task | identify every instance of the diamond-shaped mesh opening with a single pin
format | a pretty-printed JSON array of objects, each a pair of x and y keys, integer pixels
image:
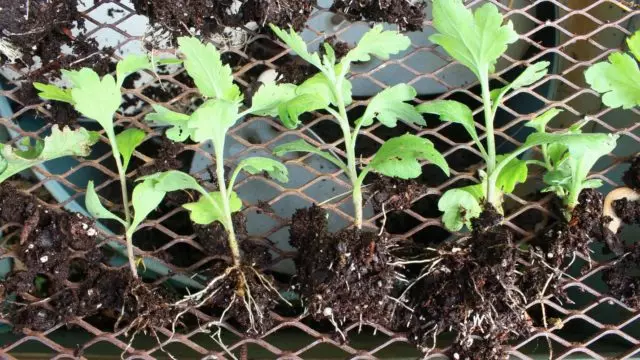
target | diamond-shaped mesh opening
[{"x": 571, "y": 34}]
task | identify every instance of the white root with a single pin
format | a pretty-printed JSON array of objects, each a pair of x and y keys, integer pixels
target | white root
[
  {"x": 9, "y": 50},
  {"x": 617, "y": 194}
]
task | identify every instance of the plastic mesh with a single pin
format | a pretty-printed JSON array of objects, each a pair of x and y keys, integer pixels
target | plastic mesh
[{"x": 572, "y": 34}]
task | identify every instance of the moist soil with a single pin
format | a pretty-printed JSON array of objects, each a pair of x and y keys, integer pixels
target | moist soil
[
  {"x": 394, "y": 194},
  {"x": 407, "y": 15},
  {"x": 344, "y": 276},
  {"x": 211, "y": 17},
  {"x": 233, "y": 288},
  {"x": 471, "y": 289},
  {"x": 61, "y": 248}
]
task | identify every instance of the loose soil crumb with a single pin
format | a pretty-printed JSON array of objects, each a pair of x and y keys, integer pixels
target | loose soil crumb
[
  {"x": 631, "y": 177},
  {"x": 471, "y": 290},
  {"x": 394, "y": 194},
  {"x": 166, "y": 158},
  {"x": 407, "y": 15},
  {"x": 627, "y": 211},
  {"x": 343, "y": 276}
]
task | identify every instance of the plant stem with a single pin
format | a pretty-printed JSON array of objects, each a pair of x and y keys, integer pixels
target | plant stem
[
  {"x": 125, "y": 201},
  {"x": 233, "y": 243},
  {"x": 350, "y": 145},
  {"x": 491, "y": 142}
]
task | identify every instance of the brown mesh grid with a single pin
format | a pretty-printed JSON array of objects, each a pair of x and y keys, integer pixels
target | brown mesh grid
[{"x": 583, "y": 32}]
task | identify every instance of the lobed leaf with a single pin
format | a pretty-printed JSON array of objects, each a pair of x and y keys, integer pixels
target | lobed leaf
[
  {"x": 130, "y": 64},
  {"x": 378, "y": 43},
  {"x": 528, "y": 77},
  {"x": 203, "y": 212},
  {"x": 52, "y": 92},
  {"x": 634, "y": 44},
  {"x": 389, "y": 106},
  {"x": 145, "y": 199},
  {"x": 270, "y": 96},
  {"x": 475, "y": 40},
  {"x": 60, "y": 143},
  {"x": 212, "y": 120},
  {"x": 179, "y": 131},
  {"x": 513, "y": 173},
  {"x": 297, "y": 44},
  {"x": 289, "y": 112},
  {"x": 453, "y": 111},
  {"x": 303, "y": 146},
  {"x": 618, "y": 80},
  {"x": 459, "y": 206},
  {"x": 95, "y": 98},
  {"x": 400, "y": 157},
  {"x": 204, "y": 66},
  {"x": 539, "y": 123},
  {"x": 257, "y": 164}
]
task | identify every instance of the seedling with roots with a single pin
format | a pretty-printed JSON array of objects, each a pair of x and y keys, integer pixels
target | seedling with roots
[
  {"x": 477, "y": 40},
  {"x": 99, "y": 99},
  {"x": 330, "y": 90},
  {"x": 211, "y": 122}
]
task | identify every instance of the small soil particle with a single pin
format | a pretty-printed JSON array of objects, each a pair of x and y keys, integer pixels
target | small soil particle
[
  {"x": 343, "y": 276},
  {"x": 408, "y": 15},
  {"x": 622, "y": 277},
  {"x": 627, "y": 211}
]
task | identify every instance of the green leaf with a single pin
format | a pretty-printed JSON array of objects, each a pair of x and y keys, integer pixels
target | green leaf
[
  {"x": 172, "y": 180},
  {"x": 592, "y": 184},
  {"x": 559, "y": 177},
  {"x": 289, "y": 112},
  {"x": 329, "y": 57},
  {"x": 130, "y": 64},
  {"x": 320, "y": 86},
  {"x": 389, "y": 106},
  {"x": 203, "y": 64},
  {"x": 452, "y": 111},
  {"x": 212, "y": 120},
  {"x": 95, "y": 98},
  {"x": 378, "y": 43},
  {"x": 400, "y": 157},
  {"x": 270, "y": 96},
  {"x": 169, "y": 61},
  {"x": 297, "y": 44},
  {"x": 65, "y": 142},
  {"x": 52, "y": 92},
  {"x": 634, "y": 44},
  {"x": 145, "y": 199},
  {"x": 475, "y": 40},
  {"x": 256, "y": 165},
  {"x": 179, "y": 131},
  {"x": 203, "y": 212},
  {"x": 528, "y": 77},
  {"x": 459, "y": 207},
  {"x": 618, "y": 80},
  {"x": 539, "y": 123},
  {"x": 95, "y": 207},
  {"x": 303, "y": 146},
  {"x": 127, "y": 141},
  {"x": 513, "y": 173}
]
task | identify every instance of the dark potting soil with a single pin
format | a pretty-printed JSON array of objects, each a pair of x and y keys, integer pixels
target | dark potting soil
[
  {"x": 393, "y": 193},
  {"x": 63, "y": 247},
  {"x": 407, "y": 15},
  {"x": 343, "y": 276},
  {"x": 40, "y": 29},
  {"x": 627, "y": 211},
  {"x": 209, "y": 17},
  {"x": 622, "y": 277},
  {"x": 229, "y": 295},
  {"x": 631, "y": 177},
  {"x": 471, "y": 289}
]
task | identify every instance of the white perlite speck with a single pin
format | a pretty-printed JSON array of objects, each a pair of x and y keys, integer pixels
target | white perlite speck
[
  {"x": 327, "y": 311},
  {"x": 44, "y": 259},
  {"x": 92, "y": 232}
]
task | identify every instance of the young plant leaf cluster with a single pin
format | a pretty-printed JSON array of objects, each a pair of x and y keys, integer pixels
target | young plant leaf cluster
[
  {"x": 330, "y": 90},
  {"x": 99, "y": 99},
  {"x": 211, "y": 122},
  {"x": 477, "y": 40}
]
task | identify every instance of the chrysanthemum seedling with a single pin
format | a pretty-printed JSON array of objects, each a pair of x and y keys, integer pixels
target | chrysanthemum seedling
[
  {"x": 477, "y": 40},
  {"x": 99, "y": 99},
  {"x": 211, "y": 122},
  {"x": 330, "y": 90}
]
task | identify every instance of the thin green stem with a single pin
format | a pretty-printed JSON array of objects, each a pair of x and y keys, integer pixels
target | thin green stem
[
  {"x": 491, "y": 142},
  {"x": 222, "y": 187},
  {"x": 130, "y": 254}
]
